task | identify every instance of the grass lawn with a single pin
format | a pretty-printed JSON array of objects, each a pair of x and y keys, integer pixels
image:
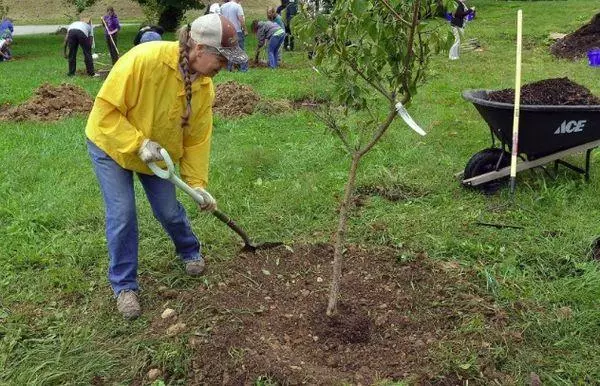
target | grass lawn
[{"x": 281, "y": 176}]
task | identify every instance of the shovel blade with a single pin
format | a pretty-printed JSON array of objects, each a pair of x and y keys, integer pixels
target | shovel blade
[{"x": 253, "y": 247}]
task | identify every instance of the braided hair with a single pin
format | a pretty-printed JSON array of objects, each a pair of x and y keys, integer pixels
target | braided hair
[{"x": 185, "y": 43}]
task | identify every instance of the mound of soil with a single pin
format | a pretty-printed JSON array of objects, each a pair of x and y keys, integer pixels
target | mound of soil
[
  {"x": 578, "y": 43},
  {"x": 266, "y": 318},
  {"x": 234, "y": 100},
  {"x": 552, "y": 92},
  {"x": 50, "y": 103}
]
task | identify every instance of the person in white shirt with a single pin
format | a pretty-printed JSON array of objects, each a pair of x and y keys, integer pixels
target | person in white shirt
[
  {"x": 79, "y": 33},
  {"x": 234, "y": 12},
  {"x": 4, "y": 49},
  {"x": 215, "y": 8}
]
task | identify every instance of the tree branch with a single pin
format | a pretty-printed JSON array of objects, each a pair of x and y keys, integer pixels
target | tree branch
[
  {"x": 376, "y": 86},
  {"x": 410, "y": 52},
  {"x": 380, "y": 131},
  {"x": 332, "y": 125},
  {"x": 392, "y": 10}
]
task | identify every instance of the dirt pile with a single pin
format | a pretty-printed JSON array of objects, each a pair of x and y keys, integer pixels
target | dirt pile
[
  {"x": 578, "y": 43},
  {"x": 50, "y": 103},
  {"x": 265, "y": 318},
  {"x": 234, "y": 100},
  {"x": 551, "y": 92}
]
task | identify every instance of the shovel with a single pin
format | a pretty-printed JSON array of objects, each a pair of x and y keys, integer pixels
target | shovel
[{"x": 170, "y": 175}]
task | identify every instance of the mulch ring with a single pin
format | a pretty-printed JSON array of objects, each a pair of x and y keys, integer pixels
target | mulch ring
[
  {"x": 234, "y": 100},
  {"x": 264, "y": 318},
  {"x": 50, "y": 103},
  {"x": 551, "y": 92},
  {"x": 576, "y": 45}
]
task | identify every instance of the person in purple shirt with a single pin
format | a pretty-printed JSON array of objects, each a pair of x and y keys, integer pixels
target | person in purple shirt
[{"x": 111, "y": 29}]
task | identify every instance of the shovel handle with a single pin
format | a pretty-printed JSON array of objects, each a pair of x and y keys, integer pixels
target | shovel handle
[{"x": 169, "y": 174}]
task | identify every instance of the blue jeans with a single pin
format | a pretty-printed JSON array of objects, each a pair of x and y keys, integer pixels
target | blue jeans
[
  {"x": 116, "y": 185},
  {"x": 274, "y": 45},
  {"x": 243, "y": 66}
]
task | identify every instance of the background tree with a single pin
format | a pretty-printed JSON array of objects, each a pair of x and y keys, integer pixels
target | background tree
[
  {"x": 80, "y": 5},
  {"x": 374, "y": 53},
  {"x": 169, "y": 12},
  {"x": 3, "y": 9}
]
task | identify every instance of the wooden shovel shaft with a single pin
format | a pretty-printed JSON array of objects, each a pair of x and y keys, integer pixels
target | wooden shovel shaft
[
  {"x": 110, "y": 36},
  {"x": 232, "y": 224},
  {"x": 515, "y": 138}
]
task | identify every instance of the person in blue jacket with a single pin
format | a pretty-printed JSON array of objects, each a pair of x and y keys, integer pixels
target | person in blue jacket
[{"x": 6, "y": 28}]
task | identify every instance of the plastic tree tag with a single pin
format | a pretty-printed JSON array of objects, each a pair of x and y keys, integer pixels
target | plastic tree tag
[{"x": 408, "y": 119}]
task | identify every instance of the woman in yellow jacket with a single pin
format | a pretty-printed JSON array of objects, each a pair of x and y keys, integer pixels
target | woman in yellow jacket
[{"x": 158, "y": 95}]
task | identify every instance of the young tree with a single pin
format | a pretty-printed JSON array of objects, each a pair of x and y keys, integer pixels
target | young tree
[{"x": 374, "y": 53}]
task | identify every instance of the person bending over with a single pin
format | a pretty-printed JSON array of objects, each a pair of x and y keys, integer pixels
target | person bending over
[{"x": 157, "y": 96}]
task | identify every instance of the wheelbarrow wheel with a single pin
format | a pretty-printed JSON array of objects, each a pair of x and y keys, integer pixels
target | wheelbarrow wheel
[{"x": 486, "y": 161}]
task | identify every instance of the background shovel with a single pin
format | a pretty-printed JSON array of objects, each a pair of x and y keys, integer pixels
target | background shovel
[{"x": 170, "y": 175}]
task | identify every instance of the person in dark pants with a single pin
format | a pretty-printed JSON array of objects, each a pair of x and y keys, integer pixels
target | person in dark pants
[
  {"x": 458, "y": 24},
  {"x": 290, "y": 11},
  {"x": 111, "y": 30},
  {"x": 79, "y": 33}
]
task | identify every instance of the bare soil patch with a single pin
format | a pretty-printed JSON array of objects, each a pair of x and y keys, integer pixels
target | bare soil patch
[
  {"x": 234, "y": 100},
  {"x": 308, "y": 103},
  {"x": 552, "y": 92},
  {"x": 50, "y": 103},
  {"x": 258, "y": 64},
  {"x": 263, "y": 64},
  {"x": 397, "y": 192},
  {"x": 576, "y": 45},
  {"x": 265, "y": 317}
]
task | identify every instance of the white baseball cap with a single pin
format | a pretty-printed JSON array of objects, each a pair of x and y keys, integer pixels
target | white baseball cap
[{"x": 216, "y": 31}]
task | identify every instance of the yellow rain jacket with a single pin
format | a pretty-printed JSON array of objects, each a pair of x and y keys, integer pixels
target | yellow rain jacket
[{"x": 144, "y": 97}]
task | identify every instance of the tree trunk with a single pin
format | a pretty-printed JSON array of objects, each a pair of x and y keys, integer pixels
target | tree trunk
[
  {"x": 170, "y": 17},
  {"x": 340, "y": 237}
]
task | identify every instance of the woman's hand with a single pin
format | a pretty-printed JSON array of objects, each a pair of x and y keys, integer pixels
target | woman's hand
[
  {"x": 150, "y": 151},
  {"x": 210, "y": 203}
]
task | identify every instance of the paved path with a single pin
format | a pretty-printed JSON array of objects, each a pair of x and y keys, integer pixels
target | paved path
[
  {"x": 48, "y": 29},
  {"x": 36, "y": 29}
]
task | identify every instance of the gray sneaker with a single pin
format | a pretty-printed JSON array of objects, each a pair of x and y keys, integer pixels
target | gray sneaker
[
  {"x": 128, "y": 305},
  {"x": 194, "y": 267}
]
